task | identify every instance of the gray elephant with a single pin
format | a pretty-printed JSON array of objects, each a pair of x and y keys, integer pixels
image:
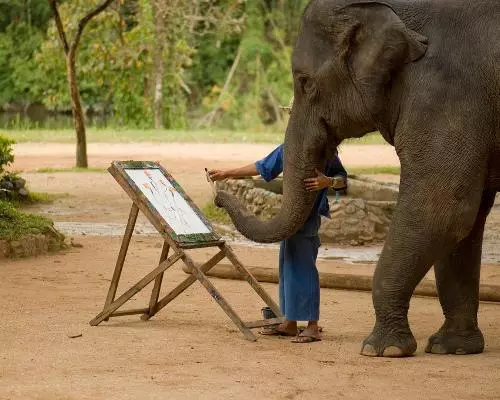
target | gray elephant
[{"x": 426, "y": 74}]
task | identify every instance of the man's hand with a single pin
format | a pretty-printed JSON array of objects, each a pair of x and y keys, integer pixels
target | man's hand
[
  {"x": 217, "y": 175},
  {"x": 321, "y": 181}
]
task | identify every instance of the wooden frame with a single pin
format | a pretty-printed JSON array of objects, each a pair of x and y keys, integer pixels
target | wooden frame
[{"x": 178, "y": 244}]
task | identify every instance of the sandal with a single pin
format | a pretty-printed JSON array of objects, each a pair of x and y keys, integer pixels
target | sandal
[
  {"x": 274, "y": 331},
  {"x": 304, "y": 337}
]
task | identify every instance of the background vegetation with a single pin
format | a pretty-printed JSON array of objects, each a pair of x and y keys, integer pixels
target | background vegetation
[{"x": 223, "y": 63}]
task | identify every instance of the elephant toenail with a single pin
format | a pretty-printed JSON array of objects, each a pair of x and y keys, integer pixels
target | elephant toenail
[
  {"x": 438, "y": 349},
  {"x": 369, "y": 351},
  {"x": 460, "y": 352},
  {"x": 393, "y": 351}
]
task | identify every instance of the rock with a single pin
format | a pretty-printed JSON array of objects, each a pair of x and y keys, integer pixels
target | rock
[
  {"x": 16, "y": 249},
  {"x": 19, "y": 183},
  {"x": 77, "y": 245},
  {"x": 7, "y": 185},
  {"x": 350, "y": 209},
  {"x": 23, "y": 192},
  {"x": 359, "y": 203},
  {"x": 54, "y": 245},
  {"x": 4, "y": 248}
]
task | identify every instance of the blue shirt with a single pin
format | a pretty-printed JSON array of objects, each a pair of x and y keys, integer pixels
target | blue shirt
[{"x": 272, "y": 165}]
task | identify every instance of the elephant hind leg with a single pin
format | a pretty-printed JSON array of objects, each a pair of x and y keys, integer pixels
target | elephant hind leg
[{"x": 457, "y": 279}]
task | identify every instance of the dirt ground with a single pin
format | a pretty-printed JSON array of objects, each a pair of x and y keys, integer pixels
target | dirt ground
[{"x": 191, "y": 350}]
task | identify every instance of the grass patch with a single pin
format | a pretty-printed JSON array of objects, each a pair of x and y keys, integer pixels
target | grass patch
[
  {"x": 44, "y": 198},
  {"x": 216, "y": 214},
  {"x": 36, "y": 198},
  {"x": 109, "y": 135},
  {"x": 370, "y": 138},
  {"x": 73, "y": 169},
  {"x": 14, "y": 224},
  {"x": 386, "y": 170},
  {"x": 145, "y": 135}
]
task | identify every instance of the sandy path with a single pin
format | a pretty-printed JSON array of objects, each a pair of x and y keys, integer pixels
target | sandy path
[
  {"x": 192, "y": 351},
  {"x": 38, "y": 155}
]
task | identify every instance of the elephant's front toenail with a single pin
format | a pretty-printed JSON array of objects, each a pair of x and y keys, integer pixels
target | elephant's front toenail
[
  {"x": 438, "y": 349},
  {"x": 369, "y": 350},
  {"x": 393, "y": 351}
]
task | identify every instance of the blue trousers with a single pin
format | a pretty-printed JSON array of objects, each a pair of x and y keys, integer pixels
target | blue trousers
[{"x": 299, "y": 279}]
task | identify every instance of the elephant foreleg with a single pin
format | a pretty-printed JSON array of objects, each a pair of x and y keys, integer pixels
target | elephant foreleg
[
  {"x": 430, "y": 221},
  {"x": 457, "y": 279}
]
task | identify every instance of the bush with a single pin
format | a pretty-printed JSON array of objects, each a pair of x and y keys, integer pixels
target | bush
[
  {"x": 6, "y": 152},
  {"x": 13, "y": 188},
  {"x": 15, "y": 224}
]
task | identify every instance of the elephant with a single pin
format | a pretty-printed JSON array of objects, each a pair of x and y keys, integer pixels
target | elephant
[{"x": 426, "y": 75}]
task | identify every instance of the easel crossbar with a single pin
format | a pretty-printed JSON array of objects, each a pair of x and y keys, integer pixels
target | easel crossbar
[
  {"x": 136, "y": 288},
  {"x": 185, "y": 284}
]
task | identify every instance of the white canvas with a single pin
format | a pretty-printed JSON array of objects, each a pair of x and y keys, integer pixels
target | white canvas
[{"x": 168, "y": 202}]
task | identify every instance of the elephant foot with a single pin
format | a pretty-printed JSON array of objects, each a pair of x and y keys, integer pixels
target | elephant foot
[
  {"x": 452, "y": 341},
  {"x": 393, "y": 344}
]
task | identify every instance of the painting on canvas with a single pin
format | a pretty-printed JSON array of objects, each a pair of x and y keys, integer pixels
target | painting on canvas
[{"x": 171, "y": 205}]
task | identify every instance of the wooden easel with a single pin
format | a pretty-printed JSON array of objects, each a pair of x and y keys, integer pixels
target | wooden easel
[{"x": 178, "y": 244}]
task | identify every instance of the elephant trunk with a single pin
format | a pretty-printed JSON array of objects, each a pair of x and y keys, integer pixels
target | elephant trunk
[{"x": 295, "y": 209}]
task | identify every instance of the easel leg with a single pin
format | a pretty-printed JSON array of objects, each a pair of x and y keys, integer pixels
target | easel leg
[
  {"x": 251, "y": 280},
  {"x": 129, "y": 230},
  {"x": 135, "y": 289},
  {"x": 218, "y": 298},
  {"x": 189, "y": 281},
  {"x": 156, "y": 289}
]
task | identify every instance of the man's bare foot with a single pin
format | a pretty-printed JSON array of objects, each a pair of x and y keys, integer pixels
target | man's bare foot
[
  {"x": 311, "y": 334},
  {"x": 287, "y": 328}
]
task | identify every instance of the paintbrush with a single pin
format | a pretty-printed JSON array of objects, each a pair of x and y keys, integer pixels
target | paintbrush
[{"x": 211, "y": 182}]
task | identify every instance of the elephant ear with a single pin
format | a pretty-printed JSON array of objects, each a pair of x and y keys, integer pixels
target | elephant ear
[{"x": 379, "y": 46}]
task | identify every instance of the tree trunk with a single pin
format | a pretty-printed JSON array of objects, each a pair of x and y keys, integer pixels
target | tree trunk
[
  {"x": 77, "y": 111},
  {"x": 70, "y": 53},
  {"x": 159, "y": 63}
]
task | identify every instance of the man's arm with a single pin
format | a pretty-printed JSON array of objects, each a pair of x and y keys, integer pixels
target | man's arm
[{"x": 247, "y": 170}]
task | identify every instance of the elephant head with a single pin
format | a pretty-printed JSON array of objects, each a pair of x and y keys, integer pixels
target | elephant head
[{"x": 345, "y": 63}]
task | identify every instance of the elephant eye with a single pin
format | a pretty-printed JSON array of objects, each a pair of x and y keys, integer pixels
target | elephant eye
[{"x": 306, "y": 85}]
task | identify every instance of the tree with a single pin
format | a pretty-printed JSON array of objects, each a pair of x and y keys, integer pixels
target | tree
[
  {"x": 70, "y": 50},
  {"x": 160, "y": 12}
]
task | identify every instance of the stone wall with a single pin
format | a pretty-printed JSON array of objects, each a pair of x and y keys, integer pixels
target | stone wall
[
  {"x": 32, "y": 245},
  {"x": 359, "y": 187},
  {"x": 261, "y": 202},
  {"x": 355, "y": 221}
]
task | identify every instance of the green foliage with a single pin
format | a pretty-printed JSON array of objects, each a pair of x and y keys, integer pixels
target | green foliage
[
  {"x": 115, "y": 65},
  {"x": 216, "y": 214},
  {"x": 385, "y": 170},
  {"x": 15, "y": 224},
  {"x": 20, "y": 78},
  {"x": 6, "y": 152},
  {"x": 129, "y": 135},
  {"x": 72, "y": 169}
]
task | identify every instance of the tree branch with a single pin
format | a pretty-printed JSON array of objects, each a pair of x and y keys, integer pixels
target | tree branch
[
  {"x": 85, "y": 20},
  {"x": 59, "y": 25}
]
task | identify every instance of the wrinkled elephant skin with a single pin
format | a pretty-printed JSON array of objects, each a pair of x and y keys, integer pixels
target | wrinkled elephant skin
[{"x": 426, "y": 75}]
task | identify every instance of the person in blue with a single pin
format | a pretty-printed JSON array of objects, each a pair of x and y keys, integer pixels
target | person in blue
[{"x": 298, "y": 275}]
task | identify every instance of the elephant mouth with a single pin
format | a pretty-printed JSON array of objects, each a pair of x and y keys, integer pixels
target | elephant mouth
[{"x": 331, "y": 138}]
